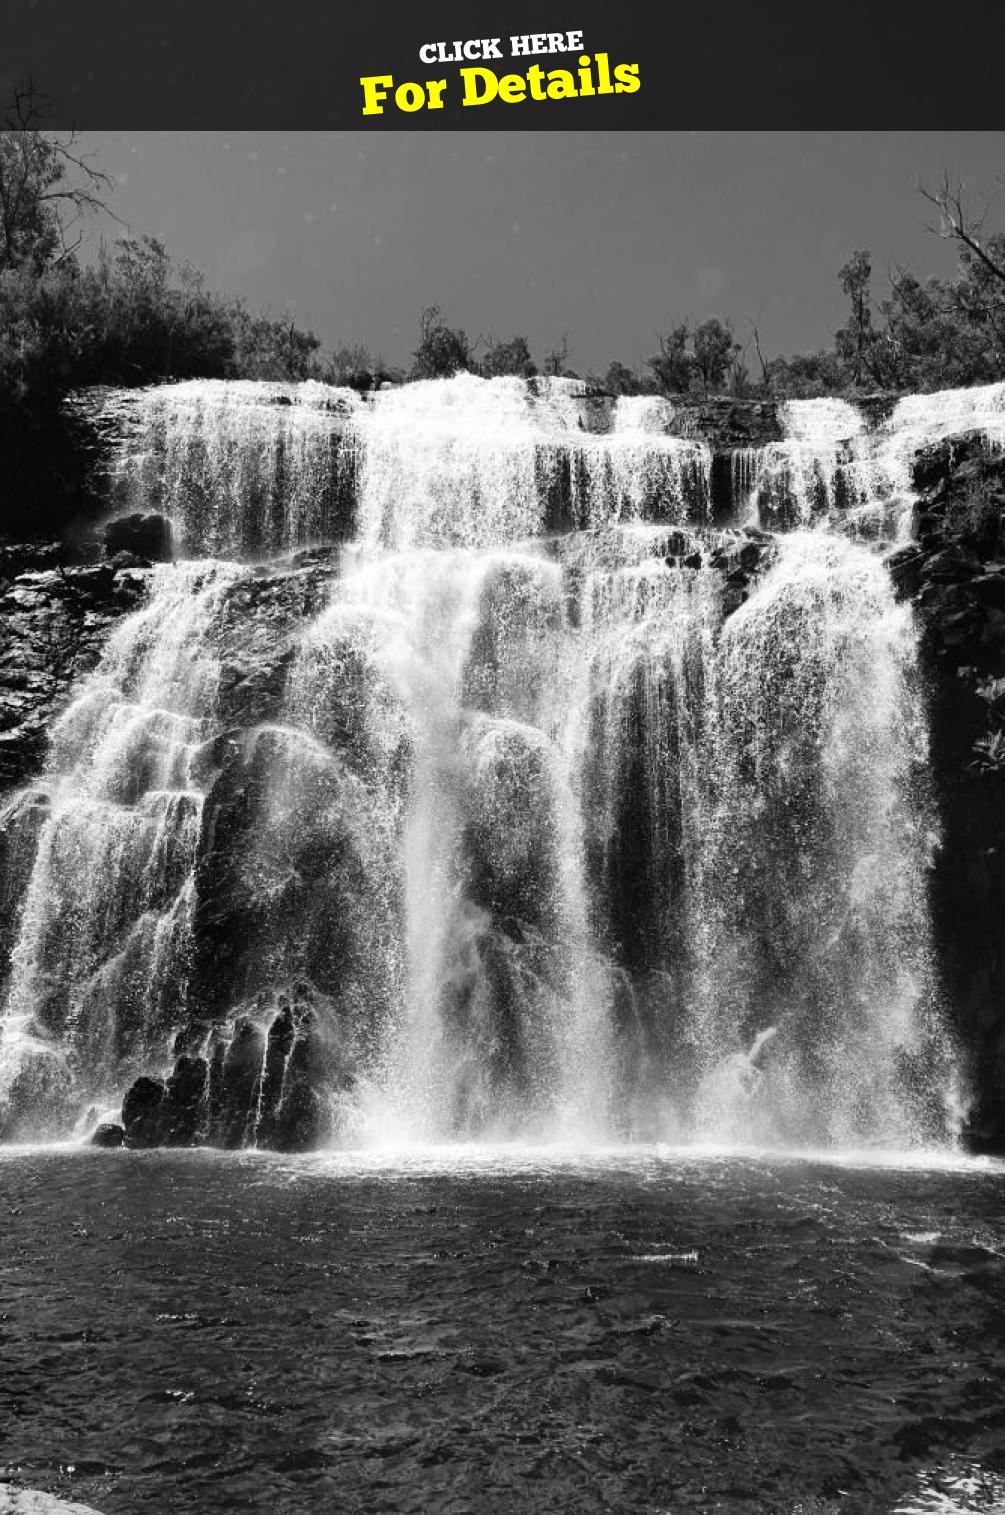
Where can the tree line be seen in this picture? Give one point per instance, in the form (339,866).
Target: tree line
(134,316)
(919,336)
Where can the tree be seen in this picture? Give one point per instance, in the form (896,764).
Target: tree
(443,350)
(510,357)
(714,351)
(46,185)
(556,362)
(350,364)
(673,365)
(857,337)
(965,227)
(621,380)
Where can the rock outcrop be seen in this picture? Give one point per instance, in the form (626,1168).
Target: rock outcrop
(955,575)
(56,621)
(269,1078)
(142,537)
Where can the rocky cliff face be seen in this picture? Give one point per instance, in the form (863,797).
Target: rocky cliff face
(955,575)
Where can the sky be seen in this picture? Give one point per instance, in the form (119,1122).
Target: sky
(606,237)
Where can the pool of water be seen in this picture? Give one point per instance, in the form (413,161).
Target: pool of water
(503,1330)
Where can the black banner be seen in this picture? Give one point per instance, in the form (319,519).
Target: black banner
(565,66)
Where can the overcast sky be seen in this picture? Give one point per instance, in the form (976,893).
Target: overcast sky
(605,236)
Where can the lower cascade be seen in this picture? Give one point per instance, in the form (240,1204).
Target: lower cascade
(538,806)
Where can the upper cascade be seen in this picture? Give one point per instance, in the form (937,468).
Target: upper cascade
(251,470)
(482,462)
(831,463)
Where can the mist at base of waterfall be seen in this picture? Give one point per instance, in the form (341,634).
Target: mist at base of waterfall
(476,1329)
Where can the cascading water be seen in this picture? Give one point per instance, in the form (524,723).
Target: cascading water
(545,809)
(251,468)
(816,855)
(832,466)
(482,463)
(99,973)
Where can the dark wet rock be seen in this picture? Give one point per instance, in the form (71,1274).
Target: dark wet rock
(182,1111)
(56,622)
(303,1120)
(142,1113)
(935,465)
(263,617)
(929,527)
(905,567)
(958,590)
(989,588)
(107,1135)
(734,595)
(144,536)
(281,1040)
(240,1074)
(951,564)
(726,424)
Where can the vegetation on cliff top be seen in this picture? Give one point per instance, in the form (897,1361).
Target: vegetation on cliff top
(134,317)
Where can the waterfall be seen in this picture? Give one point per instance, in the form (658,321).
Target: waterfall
(832,465)
(251,469)
(540,807)
(479,462)
(815,863)
(99,972)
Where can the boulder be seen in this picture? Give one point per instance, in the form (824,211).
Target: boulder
(142,1113)
(144,536)
(125,559)
(953,564)
(108,1134)
(905,569)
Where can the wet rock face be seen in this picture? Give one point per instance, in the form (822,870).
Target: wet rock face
(55,623)
(265,1080)
(727,423)
(955,574)
(144,537)
(741,561)
(142,1113)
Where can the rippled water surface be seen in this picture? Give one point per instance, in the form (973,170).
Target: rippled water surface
(499,1332)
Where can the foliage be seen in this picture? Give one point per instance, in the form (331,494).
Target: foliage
(509,357)
(671,366)
(442,351)
(134,317)
(989,749)
(351,364)
(974,518)
(695,361)
(989,752)
(620,380)
(46,184)
(556,362)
